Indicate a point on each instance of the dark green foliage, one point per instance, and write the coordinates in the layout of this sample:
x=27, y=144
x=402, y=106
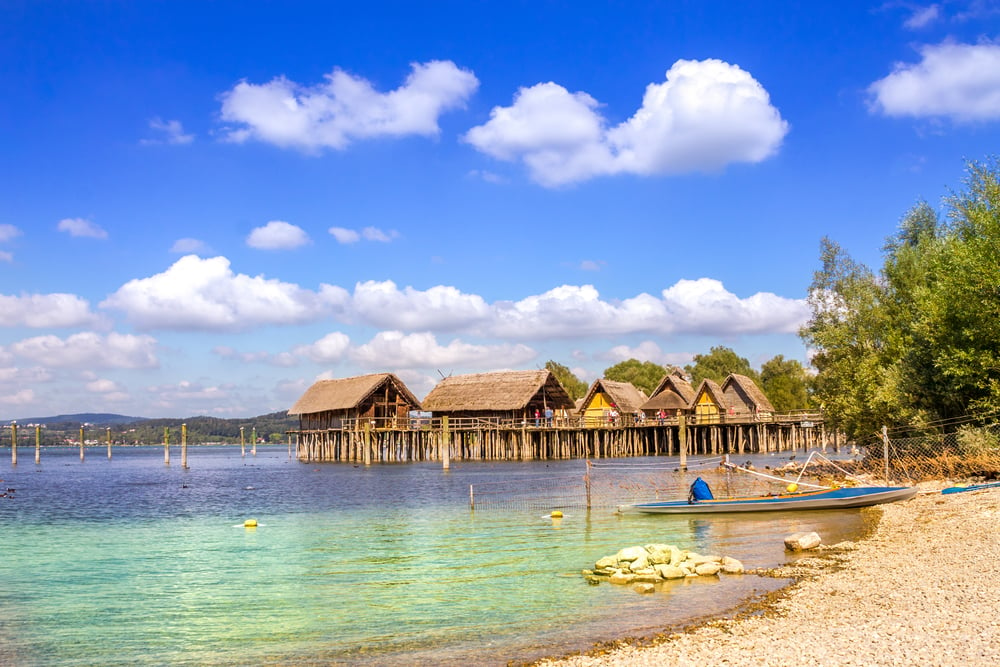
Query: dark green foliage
x=575, y=387
x=644, y=375
x=717, y=365
x=785, y=382
x=920, y=343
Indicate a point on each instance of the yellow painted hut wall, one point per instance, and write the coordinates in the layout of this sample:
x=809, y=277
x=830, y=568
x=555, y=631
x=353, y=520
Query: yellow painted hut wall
x=596, y=412
x=706, y=409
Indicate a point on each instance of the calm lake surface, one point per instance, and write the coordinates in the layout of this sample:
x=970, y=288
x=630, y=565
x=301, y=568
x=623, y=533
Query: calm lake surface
x=133, y=562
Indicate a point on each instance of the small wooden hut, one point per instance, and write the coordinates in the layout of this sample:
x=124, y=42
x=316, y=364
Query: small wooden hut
x=673, y=394
x=607, y=397
x=709, y=403
x=381, y=398
x=502, y=396
x=745, y=400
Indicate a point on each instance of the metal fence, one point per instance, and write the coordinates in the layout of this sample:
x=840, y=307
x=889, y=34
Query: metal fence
x=968, y=453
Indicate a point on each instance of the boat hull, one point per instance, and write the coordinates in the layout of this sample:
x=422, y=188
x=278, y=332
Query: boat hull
x=844, y=498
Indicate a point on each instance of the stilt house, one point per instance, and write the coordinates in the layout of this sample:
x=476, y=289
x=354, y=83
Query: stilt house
x=745, y=400
x=381, y=399
x=607, y=395
x=709, y=404
x=501, y=396
x=673, y=394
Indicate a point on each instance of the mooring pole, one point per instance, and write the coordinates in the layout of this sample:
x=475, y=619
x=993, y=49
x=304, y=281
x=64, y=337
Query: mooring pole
x=682, y=439
x=243, y=443
x=253, y=436
x=13, y=443
x=81, y=444
x=109, y=441
x=38, y=443
x=586, y=482
x=445, y=444
x=184, y=446
x=166, y=445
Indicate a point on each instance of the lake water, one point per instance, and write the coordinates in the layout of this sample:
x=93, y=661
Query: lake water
x=133, y=562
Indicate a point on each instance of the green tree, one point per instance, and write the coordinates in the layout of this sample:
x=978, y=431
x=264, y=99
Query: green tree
x=849, y=331
x=644, y=375
x=717, y=365
x=785, y=382
x=574, y=386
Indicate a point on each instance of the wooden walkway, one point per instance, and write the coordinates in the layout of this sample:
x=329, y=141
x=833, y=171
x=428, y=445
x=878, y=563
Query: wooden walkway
x=441, y=439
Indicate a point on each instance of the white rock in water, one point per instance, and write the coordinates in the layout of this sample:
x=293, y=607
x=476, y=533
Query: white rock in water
x=731, y=566
x=606, y=563
x=670, y=571
x=643, y=588
x=802, y=541
x=622, y=578
x=632, y=553
x=707, y=569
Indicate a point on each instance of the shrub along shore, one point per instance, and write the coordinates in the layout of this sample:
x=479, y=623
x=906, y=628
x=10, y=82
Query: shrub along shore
x=921, y=589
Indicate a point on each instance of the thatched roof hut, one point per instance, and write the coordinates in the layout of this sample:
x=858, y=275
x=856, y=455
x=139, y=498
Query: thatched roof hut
x=672, y=394
x=709, y=402
x=381, y=397
x=605, y=395
x=499, y=395
x=744, y=397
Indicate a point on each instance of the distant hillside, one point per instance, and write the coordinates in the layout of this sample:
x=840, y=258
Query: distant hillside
x=95, y=418
x=138, y=430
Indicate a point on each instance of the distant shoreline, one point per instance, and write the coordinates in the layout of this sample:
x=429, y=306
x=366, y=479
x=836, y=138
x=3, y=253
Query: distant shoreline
x=919, y=589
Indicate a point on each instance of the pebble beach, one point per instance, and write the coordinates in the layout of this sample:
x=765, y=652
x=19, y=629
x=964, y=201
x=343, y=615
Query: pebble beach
x=921, y=589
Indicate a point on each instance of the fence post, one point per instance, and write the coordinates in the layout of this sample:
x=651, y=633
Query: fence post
x=885, y=453
x=682, y=439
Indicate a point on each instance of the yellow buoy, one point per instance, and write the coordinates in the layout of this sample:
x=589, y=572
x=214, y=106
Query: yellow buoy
x=250, y=523
x=556, y=514
x=792, y=488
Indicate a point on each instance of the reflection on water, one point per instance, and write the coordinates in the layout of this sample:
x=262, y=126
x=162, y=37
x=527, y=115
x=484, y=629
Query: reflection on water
x=130, y=561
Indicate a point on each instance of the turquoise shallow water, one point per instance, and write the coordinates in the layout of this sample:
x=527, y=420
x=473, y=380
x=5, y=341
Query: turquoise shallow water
x=129, y=561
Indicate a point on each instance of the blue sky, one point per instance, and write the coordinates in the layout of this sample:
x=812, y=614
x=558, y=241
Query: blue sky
x=208, y=206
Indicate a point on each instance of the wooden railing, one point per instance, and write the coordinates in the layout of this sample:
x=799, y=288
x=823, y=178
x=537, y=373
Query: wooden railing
x=801, y=417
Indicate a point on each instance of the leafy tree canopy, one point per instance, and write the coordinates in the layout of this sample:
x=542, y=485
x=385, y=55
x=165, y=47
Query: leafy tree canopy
x=786, y=384
x=644, y=375
x=717, y=364
x=574, y=386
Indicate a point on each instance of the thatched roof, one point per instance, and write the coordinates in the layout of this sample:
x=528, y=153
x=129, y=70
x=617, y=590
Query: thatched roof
x=503, y=390
x=675, y=382
x=712, y=388
x=668, y=401
x=347, y=393
x=624, y=395
x=749, y=391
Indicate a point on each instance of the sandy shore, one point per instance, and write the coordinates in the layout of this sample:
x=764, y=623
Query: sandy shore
x=922, y=589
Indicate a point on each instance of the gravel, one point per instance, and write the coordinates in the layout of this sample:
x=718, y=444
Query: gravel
x=922, y=589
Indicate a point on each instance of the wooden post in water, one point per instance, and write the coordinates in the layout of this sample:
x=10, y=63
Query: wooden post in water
x=184, y=446
x=81, y=443
x=243, y=443
x=253, y=436
x=109, y=441
x=368, y=443
x=682, y=439
x=289, y=445
x=13, y=443
x=445, y=444
x=38, y=443
x=166, y=445
x=586, y=481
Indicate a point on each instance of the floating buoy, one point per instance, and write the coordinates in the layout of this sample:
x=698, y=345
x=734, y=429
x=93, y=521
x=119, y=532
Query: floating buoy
x=250, y=523
x=556, y=514
x=792, y=488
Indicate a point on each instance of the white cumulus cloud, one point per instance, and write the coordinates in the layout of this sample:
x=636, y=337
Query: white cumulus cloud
x=329, y=349
x=89, y=350
x=46, y=311
x=345, y=236
x=277, y=235
x=187, y=246
x=956, y=81
x=168, y=132
x=8, y=233
x=82, y=228
x=705, y=115
x=441, y=308
x=394, y=349
x=345, y=108
x=205, y=294
x=705, y=306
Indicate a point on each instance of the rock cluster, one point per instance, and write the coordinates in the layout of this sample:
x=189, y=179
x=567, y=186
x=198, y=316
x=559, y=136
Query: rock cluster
x=644, y=567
